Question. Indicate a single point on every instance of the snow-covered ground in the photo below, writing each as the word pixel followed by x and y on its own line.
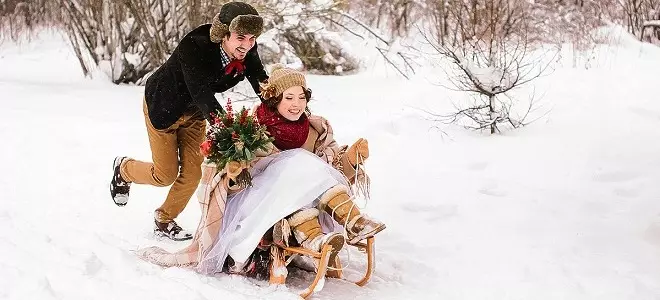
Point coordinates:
pixel 566 208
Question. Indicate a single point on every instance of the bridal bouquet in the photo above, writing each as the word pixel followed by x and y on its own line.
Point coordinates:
pixel 235 137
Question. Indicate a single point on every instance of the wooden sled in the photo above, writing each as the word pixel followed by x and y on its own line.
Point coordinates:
pixel 280 254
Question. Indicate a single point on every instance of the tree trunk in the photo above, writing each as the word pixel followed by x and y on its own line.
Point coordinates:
pixel 491 107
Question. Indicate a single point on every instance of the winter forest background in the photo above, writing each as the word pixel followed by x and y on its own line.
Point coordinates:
pixel 129 39
pixel 492 46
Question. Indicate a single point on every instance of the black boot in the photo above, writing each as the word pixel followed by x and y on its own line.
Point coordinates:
pixel 119 188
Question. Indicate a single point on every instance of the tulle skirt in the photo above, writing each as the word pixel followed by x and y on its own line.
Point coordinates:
pixel 281 184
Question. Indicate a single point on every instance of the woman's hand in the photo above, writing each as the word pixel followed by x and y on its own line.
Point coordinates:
pixel 358 152
pixel 232 170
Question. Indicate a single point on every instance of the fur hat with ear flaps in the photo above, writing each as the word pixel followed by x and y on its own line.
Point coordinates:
pixel 237 17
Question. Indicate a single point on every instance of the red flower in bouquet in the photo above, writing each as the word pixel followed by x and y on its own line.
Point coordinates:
pixel 230 112
pixel 205 147
pixel 244 116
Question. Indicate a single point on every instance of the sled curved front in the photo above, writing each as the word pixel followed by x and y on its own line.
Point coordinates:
pixel 278 271
pixel 371 265
pixel 320 274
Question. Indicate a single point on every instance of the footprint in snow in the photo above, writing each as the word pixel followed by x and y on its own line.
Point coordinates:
pixel 652 233
pixel 626 192
pixel 612 177
pixel 492 190
pixel 477 166
pixel 646 113
pixel 93 265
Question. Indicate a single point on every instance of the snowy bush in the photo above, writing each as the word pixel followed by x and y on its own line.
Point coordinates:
pixel 299 37
pixel 126 40
pixel 651 31
pixel 638 13
pixel 488 60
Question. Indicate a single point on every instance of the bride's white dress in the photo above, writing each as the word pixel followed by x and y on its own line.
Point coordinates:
pixel 281 184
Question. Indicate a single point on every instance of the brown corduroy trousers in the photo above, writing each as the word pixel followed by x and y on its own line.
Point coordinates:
pixel 176 161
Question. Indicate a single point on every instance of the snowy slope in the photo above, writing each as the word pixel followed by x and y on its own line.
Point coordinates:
pixel 567 208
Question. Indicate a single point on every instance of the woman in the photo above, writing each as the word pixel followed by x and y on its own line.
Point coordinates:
pixel 304 179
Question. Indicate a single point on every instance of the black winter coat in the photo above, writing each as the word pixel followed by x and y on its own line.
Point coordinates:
pixel 189 79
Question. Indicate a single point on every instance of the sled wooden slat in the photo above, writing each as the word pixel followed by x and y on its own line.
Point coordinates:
pixel 303 251
pixel 361 245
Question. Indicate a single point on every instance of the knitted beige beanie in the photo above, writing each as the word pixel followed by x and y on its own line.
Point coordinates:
pixel 280 80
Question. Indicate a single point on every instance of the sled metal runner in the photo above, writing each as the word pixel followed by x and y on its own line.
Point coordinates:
pixel 280 254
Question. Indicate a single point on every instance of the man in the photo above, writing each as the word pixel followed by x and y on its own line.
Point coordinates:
pixel 178 97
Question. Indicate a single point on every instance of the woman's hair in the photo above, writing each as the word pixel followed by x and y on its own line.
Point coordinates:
pixel 272 102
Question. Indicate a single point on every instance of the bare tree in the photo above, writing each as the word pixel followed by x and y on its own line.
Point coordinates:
pixel 491 55
pixel 397 17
